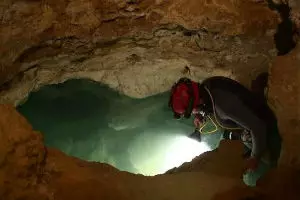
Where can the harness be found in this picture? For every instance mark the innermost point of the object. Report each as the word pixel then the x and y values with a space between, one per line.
pixel 207 109
pixel 216 123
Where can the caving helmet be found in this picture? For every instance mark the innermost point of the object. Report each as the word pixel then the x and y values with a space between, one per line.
pixel 184 98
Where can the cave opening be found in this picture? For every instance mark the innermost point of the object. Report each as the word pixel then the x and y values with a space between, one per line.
pixel 88 120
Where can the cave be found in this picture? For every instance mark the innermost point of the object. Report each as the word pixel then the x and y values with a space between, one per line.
pixel 93 122
pixel 84 87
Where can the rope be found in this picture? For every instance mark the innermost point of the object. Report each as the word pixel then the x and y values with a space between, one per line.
pixel 208 132
pixel 215 116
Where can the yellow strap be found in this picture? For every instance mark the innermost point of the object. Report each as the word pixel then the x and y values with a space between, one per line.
pixel 208 132
pixel 215 116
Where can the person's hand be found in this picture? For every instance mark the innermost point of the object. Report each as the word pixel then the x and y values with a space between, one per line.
pixel 198 121
pixel 251 164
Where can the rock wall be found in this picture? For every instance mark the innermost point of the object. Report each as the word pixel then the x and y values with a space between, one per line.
pixel 49 41
pixel 142 65
pixel 26 23
pixel 29 170
pixel 138 48
pixel 295 10
pixel 284 97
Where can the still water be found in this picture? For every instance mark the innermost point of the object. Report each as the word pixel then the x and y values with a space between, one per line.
pixel 90 121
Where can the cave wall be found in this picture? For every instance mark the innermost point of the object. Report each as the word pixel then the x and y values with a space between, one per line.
pixel 45 42
pixel 26 23
pixel 29 170
pixel 284 98
pixel 157 59
pixel 295 10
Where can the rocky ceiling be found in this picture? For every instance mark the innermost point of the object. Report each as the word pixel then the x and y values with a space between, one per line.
pixel 49 41
pixel 45 42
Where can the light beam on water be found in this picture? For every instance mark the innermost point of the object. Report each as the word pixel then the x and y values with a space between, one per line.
pixel 164 152
pixel 182 149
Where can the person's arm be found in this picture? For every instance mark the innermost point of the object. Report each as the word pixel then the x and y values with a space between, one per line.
pixel 198 120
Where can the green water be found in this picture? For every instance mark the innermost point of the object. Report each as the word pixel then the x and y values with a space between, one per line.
pixel 93 122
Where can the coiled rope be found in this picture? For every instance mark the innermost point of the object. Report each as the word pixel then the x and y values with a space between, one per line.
pixel 215 116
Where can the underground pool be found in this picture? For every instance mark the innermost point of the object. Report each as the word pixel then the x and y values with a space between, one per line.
pixel 90 121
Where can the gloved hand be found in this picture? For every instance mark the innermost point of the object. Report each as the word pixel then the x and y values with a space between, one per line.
pixel 198 120
pixel 196 135
pixel 251 164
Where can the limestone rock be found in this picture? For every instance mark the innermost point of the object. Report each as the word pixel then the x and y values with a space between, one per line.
pixel 140 66
pixel 295 10
pixel 22 157
pixel 284 91
pixel 295 15
pixel 286 180
pixel 28 170
pixel 26 24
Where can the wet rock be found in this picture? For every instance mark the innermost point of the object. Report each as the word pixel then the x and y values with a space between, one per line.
pixel 284 98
